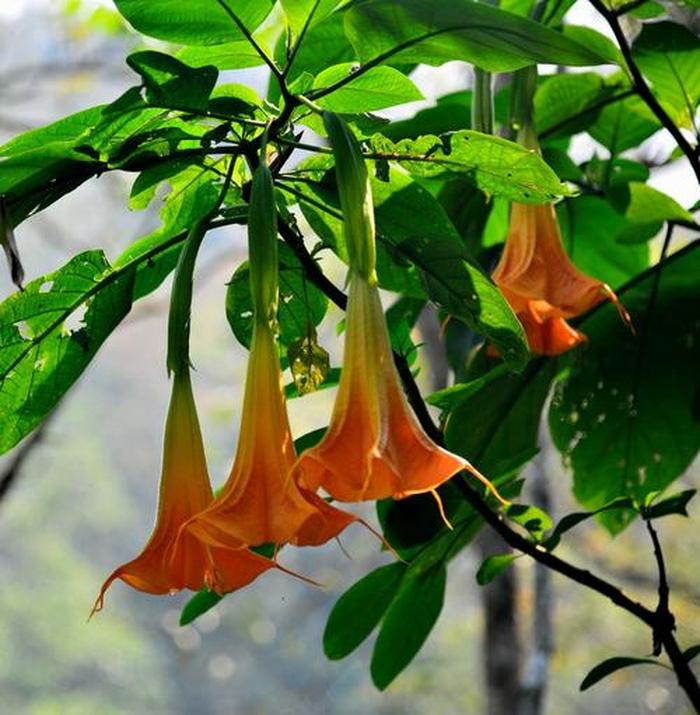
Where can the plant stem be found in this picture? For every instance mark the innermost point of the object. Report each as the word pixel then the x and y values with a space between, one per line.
pixel 643 90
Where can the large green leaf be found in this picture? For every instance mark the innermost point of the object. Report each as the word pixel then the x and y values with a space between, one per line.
pixel 42 165
pixel 407 622
pixel 439 31
pixel 301 13
pixel 51 331
pixel 568 103
pixel 171 83
pixel 509 407
pixel 377 88
pixel 624 125
pixel 458 286
pixel 590 229
pixel 669 56
pixel 625 417
pixel 194 22
pixel 496 166
pixel 358 611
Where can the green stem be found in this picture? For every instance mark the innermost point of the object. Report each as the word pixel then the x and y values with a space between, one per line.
pixel 482 102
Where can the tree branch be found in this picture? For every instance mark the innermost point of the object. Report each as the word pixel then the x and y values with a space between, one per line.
pixel 643 90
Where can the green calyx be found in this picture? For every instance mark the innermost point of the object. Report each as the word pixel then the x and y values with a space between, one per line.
pixel 355 196
pixel 262 245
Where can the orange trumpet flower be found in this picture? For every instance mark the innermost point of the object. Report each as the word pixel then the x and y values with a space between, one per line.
pixel 542 285
pixel 374 447
pixel 184 491
pixel 260 502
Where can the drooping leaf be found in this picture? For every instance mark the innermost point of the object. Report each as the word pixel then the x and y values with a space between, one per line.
pixel 198 605
pixel 375 89
pixel 358 611
pixel 407 623
pixel 462 290
pixel 496 166
pixel 607 667
pixel 571 520
pixel 493 566
pixel 436 32
pixel 624 416
pixel 195 22
pixel 171 83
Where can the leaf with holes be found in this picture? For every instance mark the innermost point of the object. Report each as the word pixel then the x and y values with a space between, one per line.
pixel 301 307
pixel 496 166
pixel 623 417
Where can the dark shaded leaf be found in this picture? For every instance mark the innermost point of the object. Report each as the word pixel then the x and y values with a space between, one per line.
pixel 602 670
pixel 407 623
pixel 674 504
pixel 358 611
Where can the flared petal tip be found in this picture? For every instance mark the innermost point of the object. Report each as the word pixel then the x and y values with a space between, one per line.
pixel 622 311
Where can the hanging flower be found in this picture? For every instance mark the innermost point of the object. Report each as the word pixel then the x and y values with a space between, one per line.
pixel 542 285
pixel 260 502
pixel 184 491
pixel 374 447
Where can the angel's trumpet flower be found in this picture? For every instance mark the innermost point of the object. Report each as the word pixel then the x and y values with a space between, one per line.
pixel 184 491
pixel 542 285
pixel 374 447
pixel 261 502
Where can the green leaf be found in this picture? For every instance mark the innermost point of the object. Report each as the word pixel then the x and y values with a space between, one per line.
pixel 493 566
pixel 65 132
pixel 461 289
pixel 624 125
pixel 531 518
pixel 623 416
pixel 509 408
pixel 195 22
pixel 436 32
pixel 692 652
pixel 590 229
pixel 669 56
pixel 595 42
pixel 171 83
pixel 674 504
pixel 496 166
pixel 642 204
pixel 607 667
pixel 299 13
pixel 451 397
pixel 301 304
pixel 377 88
pixel 236 55
pixel 571 520
pixel 358 611
pixel 50 332
pixel 407 623
pixel 199 604
pixel 568 103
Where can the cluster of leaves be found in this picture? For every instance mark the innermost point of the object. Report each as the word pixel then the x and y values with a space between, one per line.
pixel 625 408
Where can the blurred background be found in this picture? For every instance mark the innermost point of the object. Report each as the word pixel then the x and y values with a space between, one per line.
pixel 83 499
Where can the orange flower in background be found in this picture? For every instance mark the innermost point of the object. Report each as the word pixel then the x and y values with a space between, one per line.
pixel 184 490
pixel 374 447
pixel 542 285
pixel 260 502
